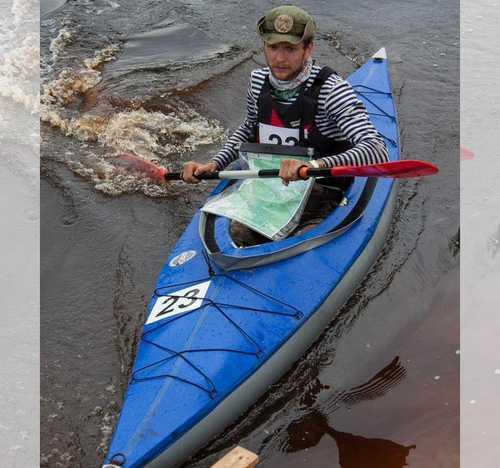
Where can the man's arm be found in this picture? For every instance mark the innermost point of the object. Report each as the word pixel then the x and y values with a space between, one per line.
pixel 229 152
pixel 343 107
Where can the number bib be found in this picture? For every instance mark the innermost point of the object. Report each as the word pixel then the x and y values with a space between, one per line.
pixel 269 134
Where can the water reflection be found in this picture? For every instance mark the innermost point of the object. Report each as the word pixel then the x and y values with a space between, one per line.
pixel 354 450
pixel 387 378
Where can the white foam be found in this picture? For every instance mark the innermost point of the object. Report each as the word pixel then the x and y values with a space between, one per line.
pixel 145 132
pixel 58 44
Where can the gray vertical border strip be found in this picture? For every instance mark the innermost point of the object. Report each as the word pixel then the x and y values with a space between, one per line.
pixel 19 233
pixel 480 235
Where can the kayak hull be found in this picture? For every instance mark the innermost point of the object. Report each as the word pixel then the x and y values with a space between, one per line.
pixel 291 351
pixel 216 338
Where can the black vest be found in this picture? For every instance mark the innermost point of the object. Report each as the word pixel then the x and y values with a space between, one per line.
pixel 295 124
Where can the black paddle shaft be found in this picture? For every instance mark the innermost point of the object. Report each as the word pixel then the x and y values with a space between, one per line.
pixel 263 173
pixel 311 172
pixel 178 176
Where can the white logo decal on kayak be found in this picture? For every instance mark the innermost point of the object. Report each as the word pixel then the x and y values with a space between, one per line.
pixel 182 258
pixel 178 302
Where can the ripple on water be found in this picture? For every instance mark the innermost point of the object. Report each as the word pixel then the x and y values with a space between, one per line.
pixel 49 6
pixel 167 44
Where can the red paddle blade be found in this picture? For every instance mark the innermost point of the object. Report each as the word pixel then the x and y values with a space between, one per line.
pixel 394 170
pixel 135 163
pixel 465 154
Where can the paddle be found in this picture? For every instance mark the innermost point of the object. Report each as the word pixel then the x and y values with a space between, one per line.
pixel 395 170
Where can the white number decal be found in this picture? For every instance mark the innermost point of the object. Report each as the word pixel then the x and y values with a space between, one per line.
pixel 278 135
pixel 275 139
pixel 178 302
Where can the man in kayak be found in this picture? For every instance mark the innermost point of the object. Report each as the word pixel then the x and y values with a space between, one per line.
pixel 295 101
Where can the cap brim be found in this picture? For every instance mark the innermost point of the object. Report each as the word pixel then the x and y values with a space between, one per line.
pixel 274 38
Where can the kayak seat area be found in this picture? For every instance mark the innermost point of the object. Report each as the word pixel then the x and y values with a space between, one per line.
pixel 217 235
pixel 326 196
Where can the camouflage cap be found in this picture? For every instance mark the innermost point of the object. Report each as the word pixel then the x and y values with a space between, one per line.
pixel 286 24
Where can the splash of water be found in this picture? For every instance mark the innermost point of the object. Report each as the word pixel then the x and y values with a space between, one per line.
pixel 58 44
pixel 152 134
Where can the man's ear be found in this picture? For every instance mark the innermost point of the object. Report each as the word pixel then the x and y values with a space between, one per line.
pixel 309 49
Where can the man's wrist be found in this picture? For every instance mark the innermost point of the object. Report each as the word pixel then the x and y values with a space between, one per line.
pixel 217 164
pixel 316 163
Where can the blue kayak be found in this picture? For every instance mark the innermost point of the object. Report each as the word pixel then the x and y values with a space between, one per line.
pixel 224 322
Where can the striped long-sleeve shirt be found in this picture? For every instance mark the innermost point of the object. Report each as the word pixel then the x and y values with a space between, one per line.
pixel 340 115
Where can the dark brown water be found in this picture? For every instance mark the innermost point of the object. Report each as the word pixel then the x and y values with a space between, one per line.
pixel 380 387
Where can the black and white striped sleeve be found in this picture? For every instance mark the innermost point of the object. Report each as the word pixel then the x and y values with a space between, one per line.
pixel 342 106
pixel 245 132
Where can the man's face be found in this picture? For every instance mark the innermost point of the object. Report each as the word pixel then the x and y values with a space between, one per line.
pixel 287 60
